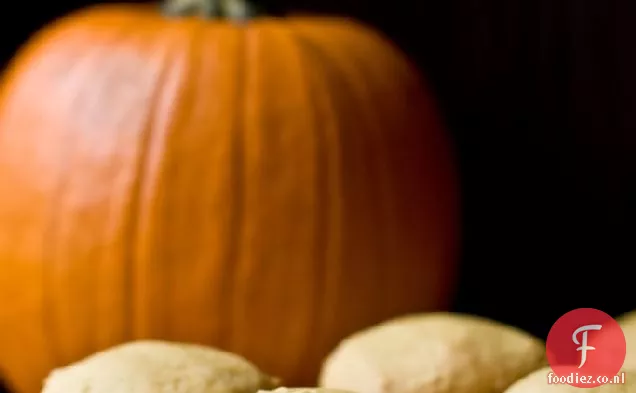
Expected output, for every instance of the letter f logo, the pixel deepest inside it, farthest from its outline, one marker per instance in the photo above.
(583, 344)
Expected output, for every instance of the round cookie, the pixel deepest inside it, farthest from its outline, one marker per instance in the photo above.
(433, 353)
(628, 324)
(303, 390)
(155, 366)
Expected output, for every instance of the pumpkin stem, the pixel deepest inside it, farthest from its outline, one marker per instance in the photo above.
(238, 10)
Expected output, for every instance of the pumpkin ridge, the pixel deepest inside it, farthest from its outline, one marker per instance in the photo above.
(270, 125)
(139, 199)
(135, 208)
(203, 36)
(50, 244)
(182, 102)
(380, 159)
(238, 164)
(331, 231)
(372, 100)
(157, 248)
(347, 37)
(355, 134)
(148, 172)
(410, 94)
(308, 66)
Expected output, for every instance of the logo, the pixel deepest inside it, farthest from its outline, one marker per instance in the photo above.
(586, 348)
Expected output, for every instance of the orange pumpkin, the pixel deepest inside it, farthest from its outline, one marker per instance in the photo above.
(265, 187)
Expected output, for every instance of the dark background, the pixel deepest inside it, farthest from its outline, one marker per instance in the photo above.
(540, 97)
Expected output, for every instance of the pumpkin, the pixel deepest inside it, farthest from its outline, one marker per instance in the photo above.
(263, 185)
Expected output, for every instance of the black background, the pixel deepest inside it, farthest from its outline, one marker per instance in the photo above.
(540, 97)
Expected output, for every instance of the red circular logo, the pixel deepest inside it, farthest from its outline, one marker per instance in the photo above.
(586, 348)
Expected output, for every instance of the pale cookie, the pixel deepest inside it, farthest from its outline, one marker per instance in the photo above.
(628, 324)
(628, 318)
(303, 390)
(433, 353)
(537, 382)
(159, 367)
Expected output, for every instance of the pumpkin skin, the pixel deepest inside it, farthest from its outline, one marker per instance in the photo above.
(267, 188)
